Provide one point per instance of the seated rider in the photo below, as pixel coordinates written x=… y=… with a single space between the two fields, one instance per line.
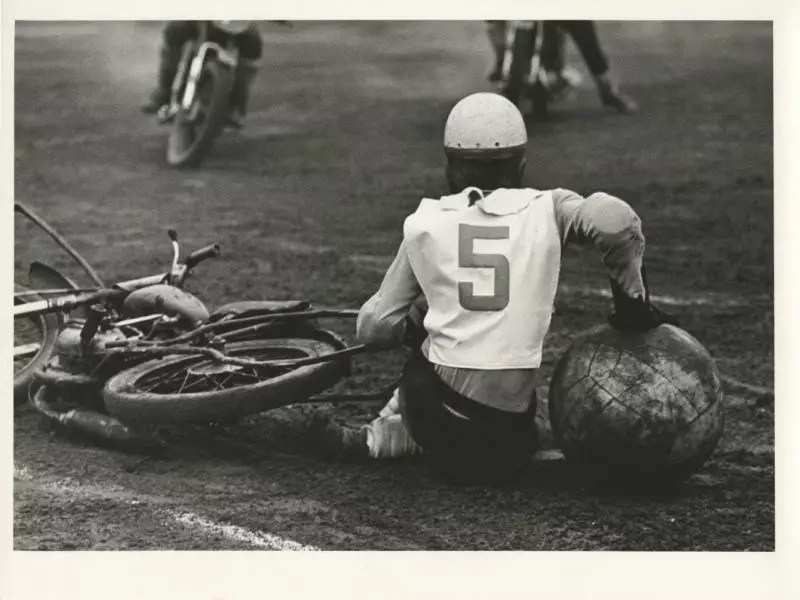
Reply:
x=486 y=261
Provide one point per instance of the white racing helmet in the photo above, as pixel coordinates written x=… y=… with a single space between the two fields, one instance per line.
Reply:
x=485 y=126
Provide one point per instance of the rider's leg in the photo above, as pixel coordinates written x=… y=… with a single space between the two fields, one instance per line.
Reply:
x=240 y=96
x=250 y=50
x=553 y=47
x=467 y=441
x=496 y=30
x=523 y=46
x=175 y=34
x=585 y=35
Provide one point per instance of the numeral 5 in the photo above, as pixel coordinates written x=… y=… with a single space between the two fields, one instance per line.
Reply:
x=468 y=258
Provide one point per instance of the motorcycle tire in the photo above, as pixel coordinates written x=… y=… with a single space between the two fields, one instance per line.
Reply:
x=195 y=389
x=37 y=334
x=189 y=142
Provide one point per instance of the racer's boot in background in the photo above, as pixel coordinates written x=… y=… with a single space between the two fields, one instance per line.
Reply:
x=612 y=97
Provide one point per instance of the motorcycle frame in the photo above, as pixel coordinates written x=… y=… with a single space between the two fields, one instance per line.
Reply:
x=191 y=66
x=106 y=429
x=225 y=56
x=534 y=74
x=69 y=300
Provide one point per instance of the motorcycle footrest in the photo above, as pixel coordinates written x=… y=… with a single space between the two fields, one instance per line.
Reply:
x=166 y=115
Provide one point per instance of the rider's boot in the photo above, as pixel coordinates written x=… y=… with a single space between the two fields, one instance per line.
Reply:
x=612 y=97
x=562 y=83
x=240 y=95
x=168 y=61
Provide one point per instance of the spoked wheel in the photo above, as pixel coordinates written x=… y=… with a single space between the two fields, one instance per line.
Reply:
x=195 y=130
x=34 y=340
x=198 y=389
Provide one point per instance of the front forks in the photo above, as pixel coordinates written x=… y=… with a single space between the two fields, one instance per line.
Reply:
x=194 y=66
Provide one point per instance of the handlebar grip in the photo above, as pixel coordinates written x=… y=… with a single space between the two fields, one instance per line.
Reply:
x=200 y=255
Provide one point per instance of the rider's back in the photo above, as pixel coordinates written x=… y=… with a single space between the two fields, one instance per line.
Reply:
x=489 y=271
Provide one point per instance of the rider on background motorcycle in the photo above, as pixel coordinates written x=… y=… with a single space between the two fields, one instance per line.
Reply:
x=176 y=34
x=584 y=34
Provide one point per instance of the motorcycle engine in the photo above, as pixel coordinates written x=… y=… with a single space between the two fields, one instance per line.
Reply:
x=70 y=350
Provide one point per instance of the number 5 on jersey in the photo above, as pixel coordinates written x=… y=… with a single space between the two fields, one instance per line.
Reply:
x=469 y=259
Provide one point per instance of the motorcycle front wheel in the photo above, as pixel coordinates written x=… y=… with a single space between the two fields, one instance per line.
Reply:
x=196 y=389
x=195 y=130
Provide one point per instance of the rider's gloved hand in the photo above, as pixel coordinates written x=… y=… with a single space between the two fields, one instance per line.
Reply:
x=636 y=314
x=415 y=330
x=414 y=336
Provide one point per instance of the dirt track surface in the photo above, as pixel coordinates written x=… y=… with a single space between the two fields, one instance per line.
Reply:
x=307 y=203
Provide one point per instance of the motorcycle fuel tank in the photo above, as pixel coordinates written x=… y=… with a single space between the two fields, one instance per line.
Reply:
x=168 y=300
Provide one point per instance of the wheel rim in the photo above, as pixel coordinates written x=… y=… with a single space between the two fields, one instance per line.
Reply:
x=200 y=375
x=28 y=341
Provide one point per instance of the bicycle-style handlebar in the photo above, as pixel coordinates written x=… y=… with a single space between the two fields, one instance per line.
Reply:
x=199 y=256
x=191 y=262
x=68 y=302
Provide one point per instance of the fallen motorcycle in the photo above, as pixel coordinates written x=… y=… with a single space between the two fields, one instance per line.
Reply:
x=147 y=351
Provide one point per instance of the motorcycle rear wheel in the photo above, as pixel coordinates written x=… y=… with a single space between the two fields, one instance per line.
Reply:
x=191 y=139
x=196 y=389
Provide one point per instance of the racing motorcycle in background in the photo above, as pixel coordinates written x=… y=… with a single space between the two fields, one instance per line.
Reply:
x=525 y=80
x=200 y=102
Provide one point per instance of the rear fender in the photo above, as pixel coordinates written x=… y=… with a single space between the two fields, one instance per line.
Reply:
x=42 y=276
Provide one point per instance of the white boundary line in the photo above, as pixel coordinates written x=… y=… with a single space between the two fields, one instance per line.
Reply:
x=181 y=516
x=258 y=539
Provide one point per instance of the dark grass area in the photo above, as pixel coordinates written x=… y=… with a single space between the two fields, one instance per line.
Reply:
x=307 y=202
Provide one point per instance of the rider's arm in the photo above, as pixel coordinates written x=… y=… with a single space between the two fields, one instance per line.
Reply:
x=612 y=226
x=381 y=321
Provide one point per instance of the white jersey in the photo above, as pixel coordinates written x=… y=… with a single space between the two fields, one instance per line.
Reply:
x=487 y=272
x=490 y=273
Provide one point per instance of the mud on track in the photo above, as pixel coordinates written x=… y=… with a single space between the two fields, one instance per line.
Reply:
x=307 y=202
